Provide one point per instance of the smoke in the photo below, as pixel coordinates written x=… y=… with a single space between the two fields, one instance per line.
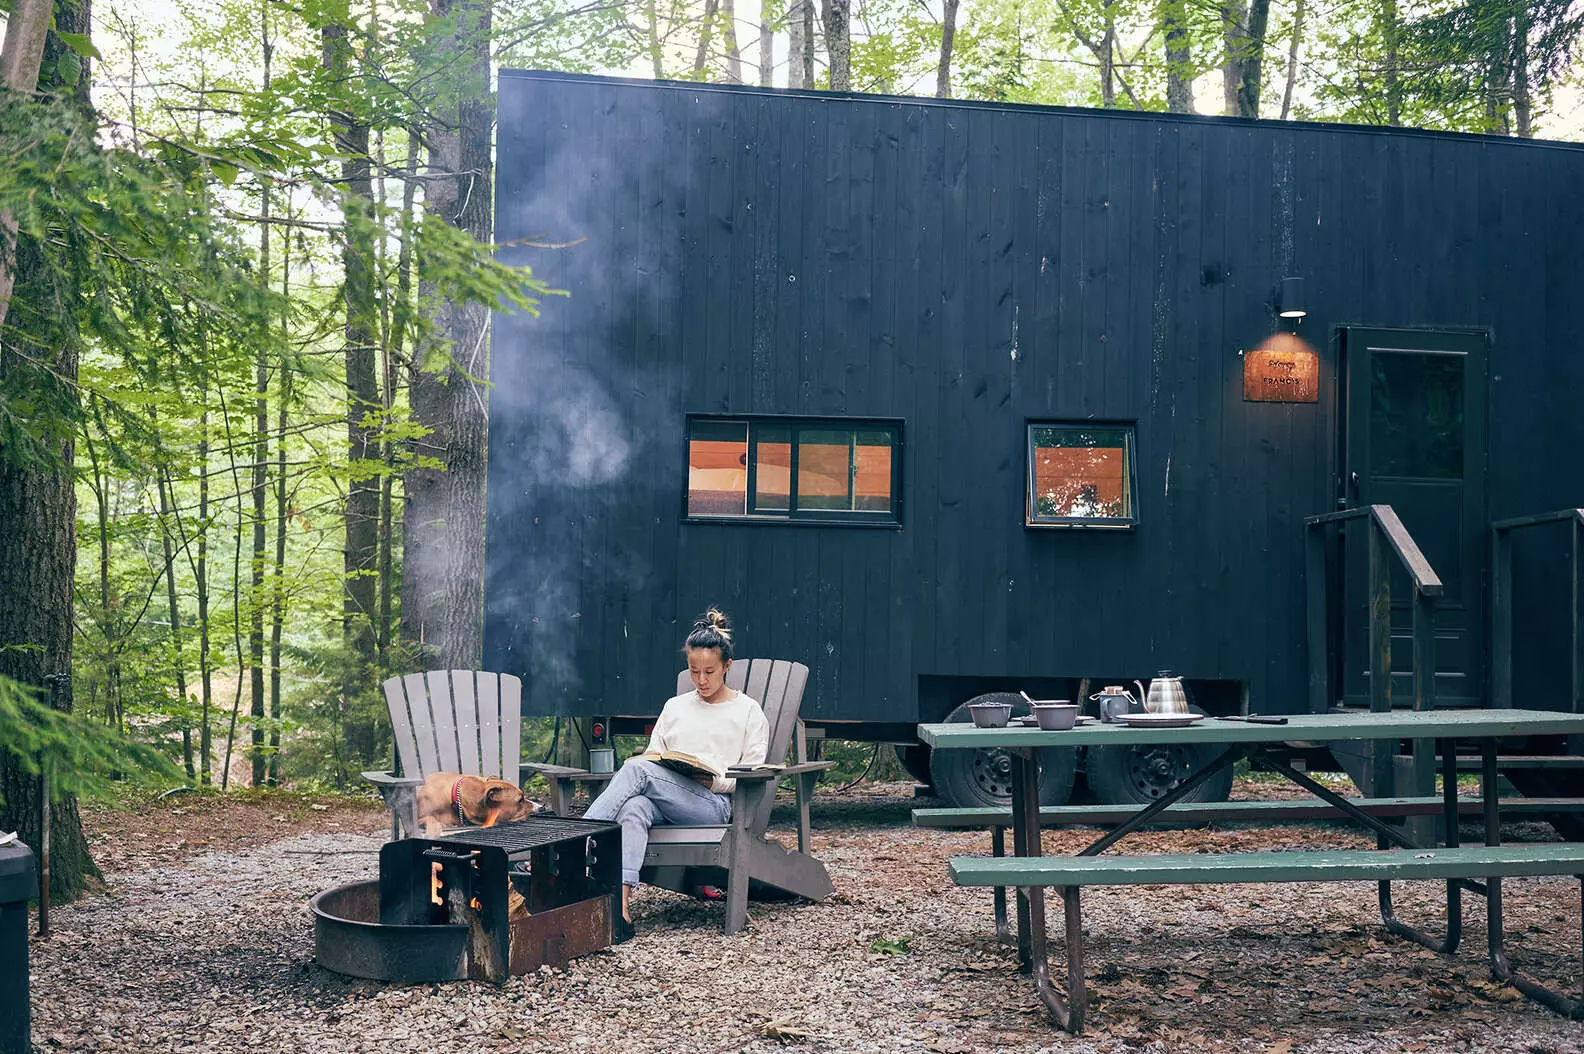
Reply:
x=577 y=428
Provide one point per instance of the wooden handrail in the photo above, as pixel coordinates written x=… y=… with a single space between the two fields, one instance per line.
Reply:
x=1501 y=603
x=1386 y=535
x=1425 y=579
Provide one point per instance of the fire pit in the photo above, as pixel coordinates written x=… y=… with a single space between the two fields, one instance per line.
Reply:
x=476 y=902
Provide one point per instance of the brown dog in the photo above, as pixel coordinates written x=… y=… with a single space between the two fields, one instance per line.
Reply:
x=452 y=799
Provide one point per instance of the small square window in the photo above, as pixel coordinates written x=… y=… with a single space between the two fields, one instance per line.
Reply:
x=1081 y=475
x=826 y=470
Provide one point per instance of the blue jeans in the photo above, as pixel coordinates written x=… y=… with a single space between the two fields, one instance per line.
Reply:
x=643 y=794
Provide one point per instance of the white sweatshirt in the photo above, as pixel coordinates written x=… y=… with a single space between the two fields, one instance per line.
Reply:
x=731 y=732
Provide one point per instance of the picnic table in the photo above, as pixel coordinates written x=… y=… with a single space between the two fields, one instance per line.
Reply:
x=1478 y=869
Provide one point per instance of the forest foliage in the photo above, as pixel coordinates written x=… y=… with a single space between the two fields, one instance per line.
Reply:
x=254 y=220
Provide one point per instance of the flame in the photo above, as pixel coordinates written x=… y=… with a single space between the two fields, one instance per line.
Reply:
x=434 y=884
x=491 y=817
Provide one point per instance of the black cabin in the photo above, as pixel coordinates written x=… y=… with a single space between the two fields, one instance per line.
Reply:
x=941 y=397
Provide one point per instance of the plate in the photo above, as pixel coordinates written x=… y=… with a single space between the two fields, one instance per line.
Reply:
x=1159 y=720
x=1025 y=722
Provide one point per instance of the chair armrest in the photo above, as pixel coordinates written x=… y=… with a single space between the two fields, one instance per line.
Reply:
x=385 y=779
x=808 y=766
x=559 y=772
x=753 y=775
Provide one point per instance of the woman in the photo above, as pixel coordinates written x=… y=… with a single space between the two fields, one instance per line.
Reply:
x=715 y=724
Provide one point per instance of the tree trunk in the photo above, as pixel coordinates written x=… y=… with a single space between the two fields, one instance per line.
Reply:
x=442 y=605
x=838 y=43
x=795 y=44
x=1179 y=57
x=261 y=424
x=201 y=585
x=363 y=402
x=733 y=52
x=766 y=44
x=1243 y=29
x=1292 y=59
x=20 y=57
x=38 y=504
x=706 y=32
x=178 y=663
x=656 y=52
x=948 y=41
x=1391 y=30
x=1108 y=61
x=1523 y=103
x=807 y=51
x=401 y=316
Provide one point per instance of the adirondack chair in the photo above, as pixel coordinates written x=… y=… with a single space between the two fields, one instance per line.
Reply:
x=449 y=721
x=739 y=853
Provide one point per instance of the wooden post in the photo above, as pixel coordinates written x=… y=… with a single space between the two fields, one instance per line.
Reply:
x=1501 y=618
x=1423 y=828
x=1315 y=619
x=1576 y=534
x=1382 y=777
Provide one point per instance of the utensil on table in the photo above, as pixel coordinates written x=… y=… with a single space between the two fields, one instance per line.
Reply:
x=1254 y=719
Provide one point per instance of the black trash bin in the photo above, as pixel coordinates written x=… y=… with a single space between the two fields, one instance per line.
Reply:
x=18 y=885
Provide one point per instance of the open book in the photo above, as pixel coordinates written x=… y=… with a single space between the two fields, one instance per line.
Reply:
x=687 y=764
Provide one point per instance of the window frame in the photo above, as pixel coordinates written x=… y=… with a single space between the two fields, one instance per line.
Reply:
x=890 y=519
x=1033 y=519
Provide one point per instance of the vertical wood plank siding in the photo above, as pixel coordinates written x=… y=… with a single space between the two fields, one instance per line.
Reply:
x=968 y=268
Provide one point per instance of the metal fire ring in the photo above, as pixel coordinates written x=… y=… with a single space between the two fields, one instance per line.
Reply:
x=350 y=939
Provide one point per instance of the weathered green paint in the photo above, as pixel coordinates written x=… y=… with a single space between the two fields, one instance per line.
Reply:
x=1395 y=724
x=1235 y=811
x=1356 y=865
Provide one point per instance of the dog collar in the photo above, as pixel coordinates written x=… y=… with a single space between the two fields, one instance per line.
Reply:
x=456 y=800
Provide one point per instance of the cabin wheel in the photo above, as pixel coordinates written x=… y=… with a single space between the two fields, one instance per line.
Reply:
x=1140 y=775
x=983 y=778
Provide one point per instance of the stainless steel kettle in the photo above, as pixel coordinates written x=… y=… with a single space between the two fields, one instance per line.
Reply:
x=1166 y=695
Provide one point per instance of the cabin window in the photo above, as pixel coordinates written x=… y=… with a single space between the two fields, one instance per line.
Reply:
x=1081 y=475
x=810 y=470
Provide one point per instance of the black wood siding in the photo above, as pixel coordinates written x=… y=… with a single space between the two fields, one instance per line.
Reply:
x=968 y=268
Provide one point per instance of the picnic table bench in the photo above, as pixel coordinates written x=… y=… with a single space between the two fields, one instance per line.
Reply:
x=1479 y=869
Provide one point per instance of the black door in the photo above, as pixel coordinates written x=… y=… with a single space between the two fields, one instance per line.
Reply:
x=1413 y=437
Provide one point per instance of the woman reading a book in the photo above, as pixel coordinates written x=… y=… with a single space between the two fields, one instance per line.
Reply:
x=681 y=777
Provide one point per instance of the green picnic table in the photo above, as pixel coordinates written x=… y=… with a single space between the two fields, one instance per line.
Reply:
x=1479 y=869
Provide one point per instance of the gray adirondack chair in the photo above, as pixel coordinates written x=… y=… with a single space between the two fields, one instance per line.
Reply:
x=462 y=721
x=739 y=853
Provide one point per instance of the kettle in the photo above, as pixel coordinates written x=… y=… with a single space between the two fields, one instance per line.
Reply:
x=1166 y=695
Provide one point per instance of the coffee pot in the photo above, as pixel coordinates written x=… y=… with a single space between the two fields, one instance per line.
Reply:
x=1166 y=695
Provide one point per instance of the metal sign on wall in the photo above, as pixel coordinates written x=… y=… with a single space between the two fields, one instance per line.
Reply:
x=1282 y=370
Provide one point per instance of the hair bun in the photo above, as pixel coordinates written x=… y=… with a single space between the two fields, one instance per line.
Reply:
x=716 y=619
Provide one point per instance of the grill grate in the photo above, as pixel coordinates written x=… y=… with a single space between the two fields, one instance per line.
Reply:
x=521 y=835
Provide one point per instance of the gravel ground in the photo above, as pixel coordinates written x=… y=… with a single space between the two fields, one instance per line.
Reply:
x=205 y=944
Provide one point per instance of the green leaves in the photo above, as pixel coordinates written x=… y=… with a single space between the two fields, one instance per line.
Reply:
x=80 y=44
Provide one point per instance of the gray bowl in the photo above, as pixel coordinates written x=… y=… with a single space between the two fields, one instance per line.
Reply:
x=991 y=715
x=1055 y=717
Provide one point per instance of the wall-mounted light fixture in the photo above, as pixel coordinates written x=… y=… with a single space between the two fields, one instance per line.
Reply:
x=1289 y=298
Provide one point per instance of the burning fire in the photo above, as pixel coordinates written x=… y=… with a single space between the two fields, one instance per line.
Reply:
x=434 y=884
x=492 y=816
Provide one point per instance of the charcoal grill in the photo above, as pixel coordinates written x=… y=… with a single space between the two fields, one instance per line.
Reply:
x=476 y=902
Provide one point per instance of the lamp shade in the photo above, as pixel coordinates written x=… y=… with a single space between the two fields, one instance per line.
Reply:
x=1290 y=298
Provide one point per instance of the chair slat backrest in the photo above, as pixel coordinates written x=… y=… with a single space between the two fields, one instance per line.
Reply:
x=456 y=721
x=778 y=686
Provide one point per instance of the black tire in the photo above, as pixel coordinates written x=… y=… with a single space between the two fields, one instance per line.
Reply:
x=983 y=778
x=1140 y=775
